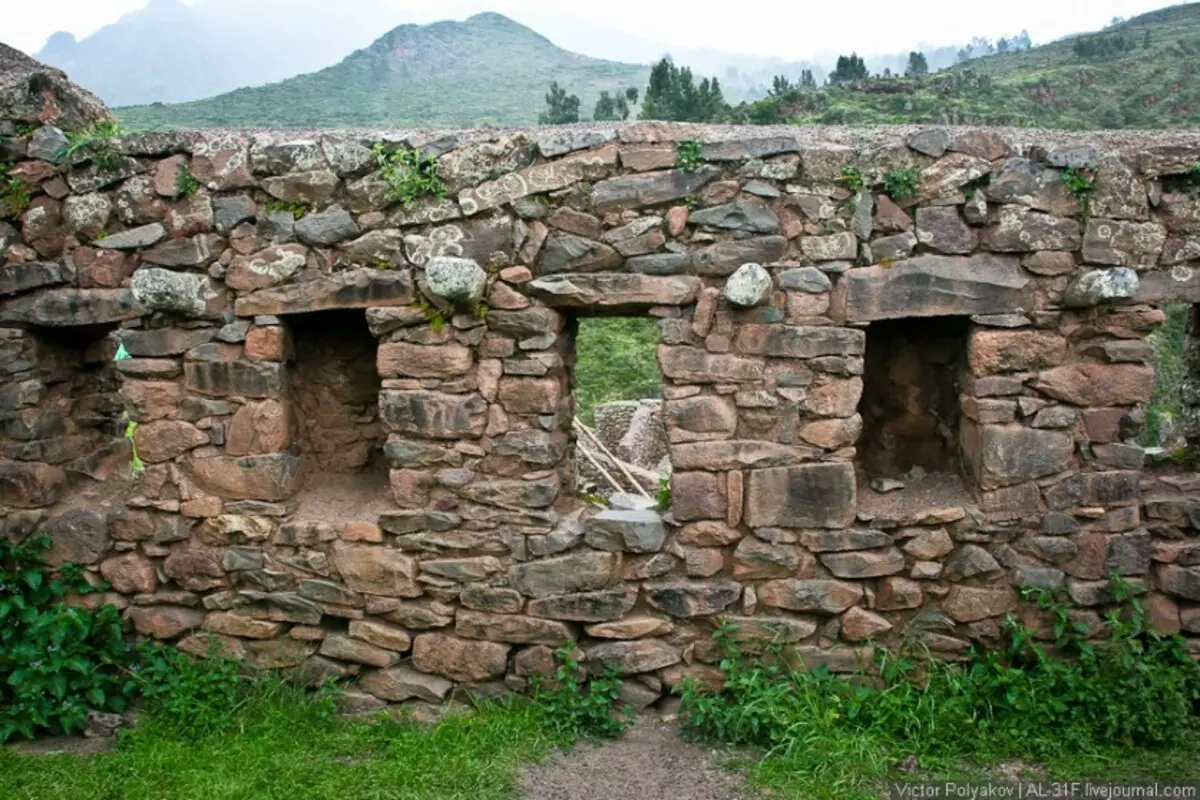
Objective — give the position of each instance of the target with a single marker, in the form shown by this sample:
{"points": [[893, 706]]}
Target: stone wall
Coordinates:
{"points": [[776, 290]]}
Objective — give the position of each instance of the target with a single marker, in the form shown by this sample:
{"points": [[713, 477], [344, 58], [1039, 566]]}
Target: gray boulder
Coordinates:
{"points": [[749, 286], [176, 292], [455, 279], [1101, 286]]}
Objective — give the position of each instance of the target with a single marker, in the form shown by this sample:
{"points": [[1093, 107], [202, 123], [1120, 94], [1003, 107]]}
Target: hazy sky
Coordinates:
{"points": [[788, 28]]}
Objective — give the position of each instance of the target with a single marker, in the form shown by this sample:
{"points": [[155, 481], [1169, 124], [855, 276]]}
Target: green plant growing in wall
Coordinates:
{"points": [[27, 129], [852, 178], [1081, 182], [662, 494], [135, 461], [687, 155], [900, 183], [411, 174], [297, 210], [96, 142], [186, 184], [14, 195]]}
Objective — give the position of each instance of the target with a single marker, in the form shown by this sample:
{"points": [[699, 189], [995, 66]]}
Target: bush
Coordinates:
{"points": [[1134, 688], [190, 696], [573, 707], [57, 661]]}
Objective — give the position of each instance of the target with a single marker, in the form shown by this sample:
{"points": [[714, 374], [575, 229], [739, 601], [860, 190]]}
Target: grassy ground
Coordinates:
{"points": [[281, 749]]}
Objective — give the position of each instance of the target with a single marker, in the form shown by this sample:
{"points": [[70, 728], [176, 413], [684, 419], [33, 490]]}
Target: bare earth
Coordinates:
{"points": [[650, 762]]}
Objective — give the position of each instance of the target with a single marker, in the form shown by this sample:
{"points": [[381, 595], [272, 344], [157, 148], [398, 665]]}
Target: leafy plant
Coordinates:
{"points": [[95, 142], [27, 129], [852, 178], [830, 737], [57, 661], [14, 195], [187, 695], [1081, 182], [662, 494], [411, 174], [186, 184], [574, 707], [687, 155], [297, 210], [900, 183]]}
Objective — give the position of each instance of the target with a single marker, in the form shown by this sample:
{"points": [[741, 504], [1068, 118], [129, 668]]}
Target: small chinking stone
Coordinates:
{"points": [[456, 279], [749, 286]]}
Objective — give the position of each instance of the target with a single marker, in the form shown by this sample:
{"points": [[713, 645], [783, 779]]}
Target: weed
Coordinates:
{"points": [[573, 709], [901, 183], [95, 143], [687, 155], [595, 500], [852, 178], [186, 184], [663, 493], [828, 737], [692, 202], [57, 661], [587, 189], [14, 195], [481, 310], [190, 697], [411, 174], [297, 210], [1081, 182], [27, 129]]}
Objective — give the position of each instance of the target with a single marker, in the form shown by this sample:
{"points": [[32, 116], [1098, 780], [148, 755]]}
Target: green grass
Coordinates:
{"points": [[282, 748], [617, 359], [1167, 406]]}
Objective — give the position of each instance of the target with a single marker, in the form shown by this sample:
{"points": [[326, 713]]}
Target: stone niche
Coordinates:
{"points": [[61, 409], [914, 373], [334, 391]]}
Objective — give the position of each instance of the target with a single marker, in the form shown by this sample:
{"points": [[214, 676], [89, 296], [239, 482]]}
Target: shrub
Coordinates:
{"points": [[574, 707], [411, 174], [901, 184], [1024, 699], [186, 695], [57, 661]]}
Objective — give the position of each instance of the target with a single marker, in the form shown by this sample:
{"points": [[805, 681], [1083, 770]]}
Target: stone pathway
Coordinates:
{"points": [[650, 762]]}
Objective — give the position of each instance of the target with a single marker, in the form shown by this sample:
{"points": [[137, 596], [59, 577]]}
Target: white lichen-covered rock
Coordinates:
{"points": [[1101, 286], [455, 279], [749, 286], [176, 292]]}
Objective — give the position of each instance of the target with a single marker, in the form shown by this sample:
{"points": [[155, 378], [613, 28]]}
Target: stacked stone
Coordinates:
{"points": [[764, 273]]}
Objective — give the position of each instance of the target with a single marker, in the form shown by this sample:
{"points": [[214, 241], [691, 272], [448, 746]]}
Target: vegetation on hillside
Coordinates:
{"points": [[487, 70], [616, 359], [1138, 73]]}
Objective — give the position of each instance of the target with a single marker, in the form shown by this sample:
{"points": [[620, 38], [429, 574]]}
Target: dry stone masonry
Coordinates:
{"points": [[977, 352]]}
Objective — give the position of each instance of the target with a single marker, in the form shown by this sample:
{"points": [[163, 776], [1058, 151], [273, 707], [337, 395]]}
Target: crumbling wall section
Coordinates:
{"points": [[765, 260]]}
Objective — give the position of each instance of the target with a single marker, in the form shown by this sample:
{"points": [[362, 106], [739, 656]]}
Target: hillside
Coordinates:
{"points": [[1139, 74], [486, 70], [171, 52]]}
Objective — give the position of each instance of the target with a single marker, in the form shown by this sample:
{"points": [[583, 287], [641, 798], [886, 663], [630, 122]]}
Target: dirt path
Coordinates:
{"points": [[650, 762]]}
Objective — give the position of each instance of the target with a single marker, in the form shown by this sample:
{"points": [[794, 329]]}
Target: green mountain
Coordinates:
{"points": [[1141, 73], [486, 70]]}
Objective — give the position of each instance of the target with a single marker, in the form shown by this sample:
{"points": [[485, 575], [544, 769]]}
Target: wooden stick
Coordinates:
{"points": [[620, 464], [592, 459]]}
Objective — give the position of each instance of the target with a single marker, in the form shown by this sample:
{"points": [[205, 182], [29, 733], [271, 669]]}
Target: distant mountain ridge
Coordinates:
{"points": [[488, 70], [171, 52]]}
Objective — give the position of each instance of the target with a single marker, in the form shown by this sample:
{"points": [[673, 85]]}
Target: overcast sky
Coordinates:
{"points": [[788, 28]]}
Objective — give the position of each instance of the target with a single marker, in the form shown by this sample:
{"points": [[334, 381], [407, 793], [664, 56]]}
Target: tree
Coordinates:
{"points": [[918, 66], [850, 69], [1002, 45], [560, 107], [781, 85], [609, 108], [674, 95], [807, 81]]}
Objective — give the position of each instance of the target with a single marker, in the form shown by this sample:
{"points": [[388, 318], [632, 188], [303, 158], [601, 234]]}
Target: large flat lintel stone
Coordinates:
{"points": [[359, 288], [934, 286]]}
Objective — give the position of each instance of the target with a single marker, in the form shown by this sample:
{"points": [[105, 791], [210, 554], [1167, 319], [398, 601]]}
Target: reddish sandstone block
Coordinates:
{"points": [[266, 344]]}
